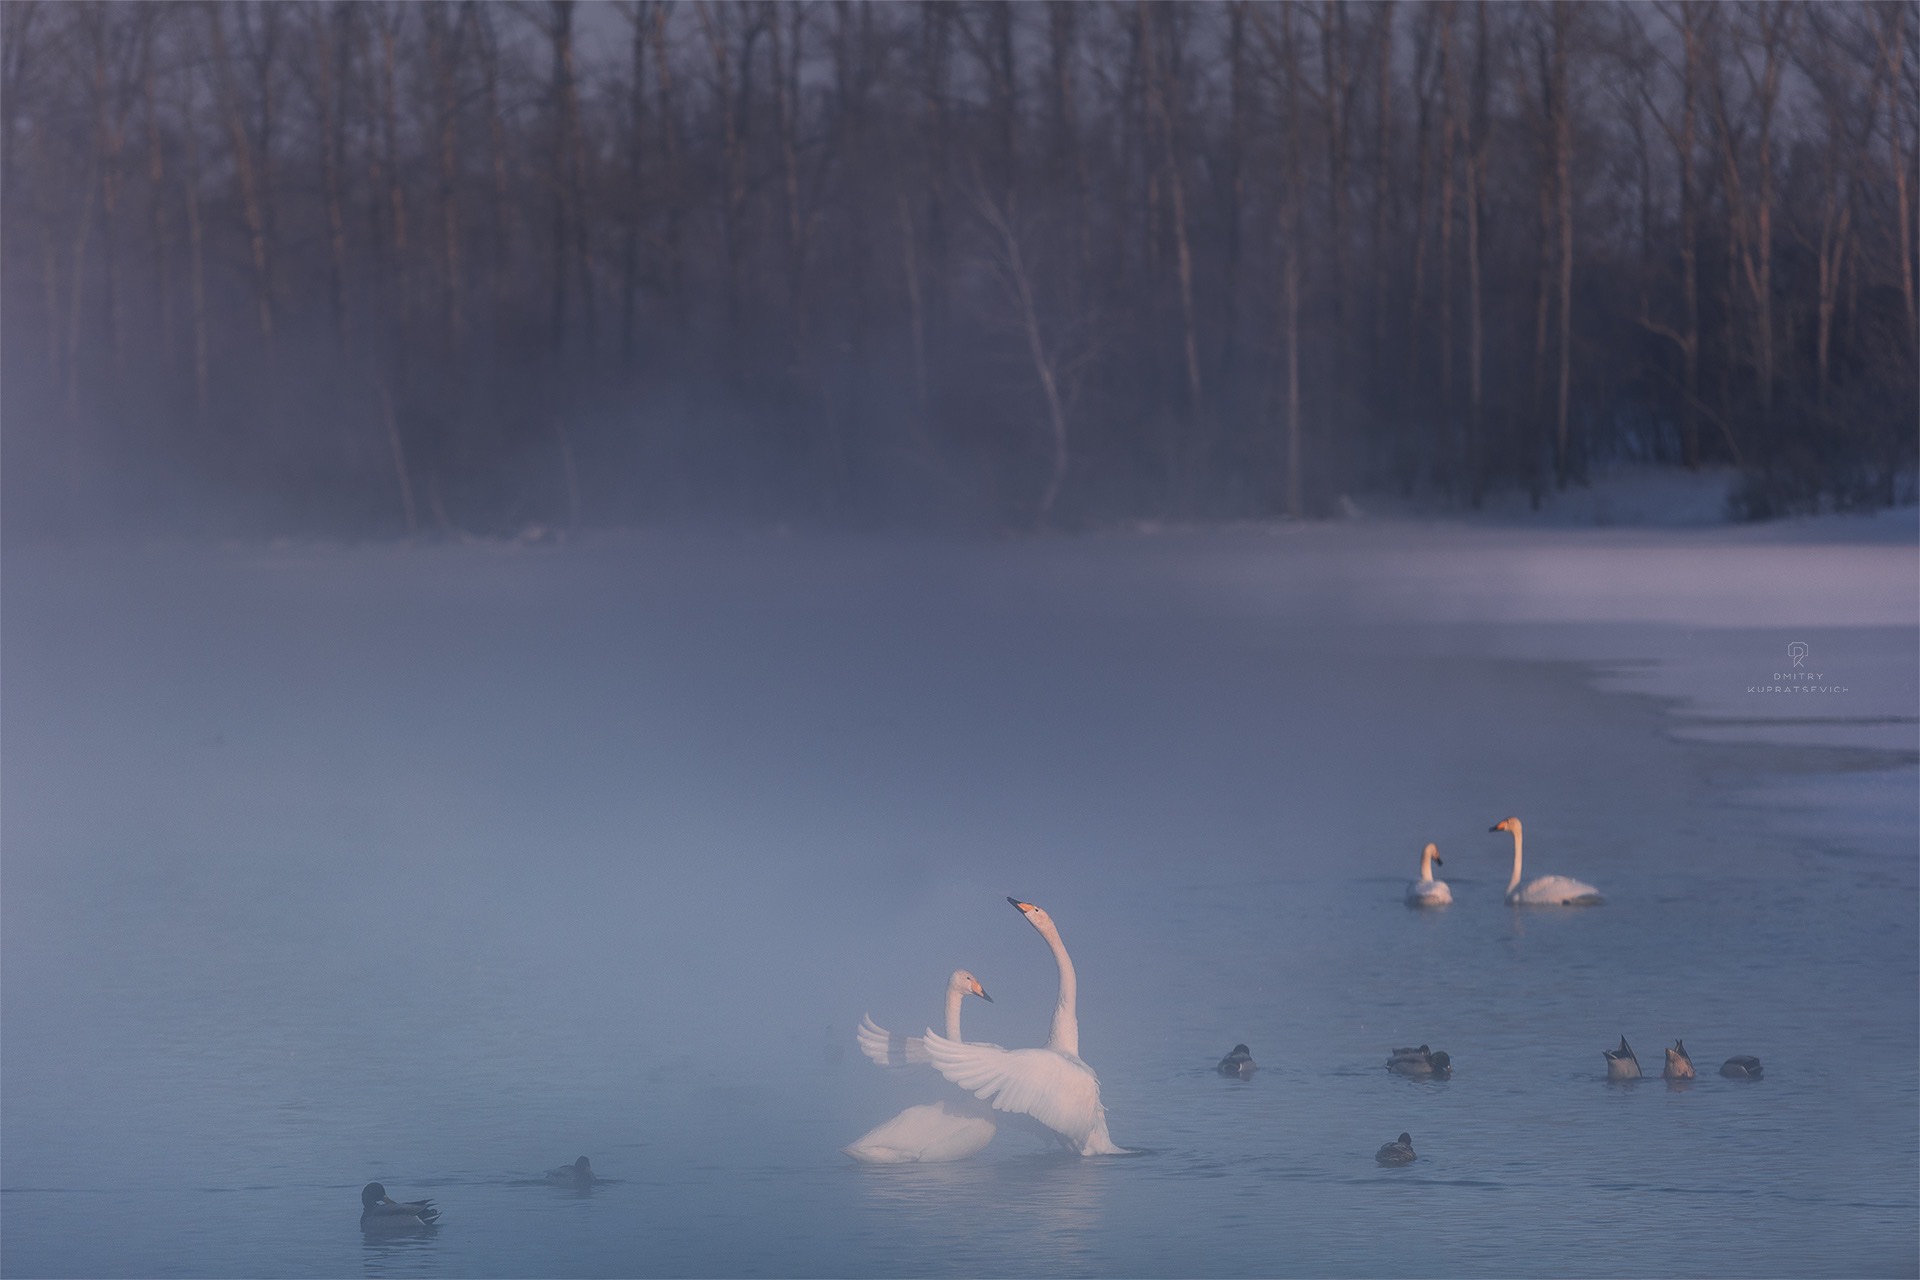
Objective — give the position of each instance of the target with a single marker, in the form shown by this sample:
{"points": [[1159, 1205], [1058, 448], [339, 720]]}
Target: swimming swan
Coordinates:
{"points": [[1399, 1151], [1426, 891], [1546, 891], [933, 1132], [1621, 1064], [1052, 1084], [378, 1213]]}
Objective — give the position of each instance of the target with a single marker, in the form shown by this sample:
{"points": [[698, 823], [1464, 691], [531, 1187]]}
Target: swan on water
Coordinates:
{"points": [[1679, 1065], [1742, 1066], [1052, 1085], [1238, 1063], [1399, 1151], [1546, 891], [1621, 1064], [934, 1132], [1426, 891]]}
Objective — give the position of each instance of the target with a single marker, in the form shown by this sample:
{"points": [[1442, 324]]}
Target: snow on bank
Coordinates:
{"points": [[1798, 633]]}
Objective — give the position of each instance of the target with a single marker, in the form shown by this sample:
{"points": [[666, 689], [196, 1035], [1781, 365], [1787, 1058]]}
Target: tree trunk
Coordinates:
{"points": [[443, 55], [1563, 16], [1478, 127], [251, 206], [158, 232]]}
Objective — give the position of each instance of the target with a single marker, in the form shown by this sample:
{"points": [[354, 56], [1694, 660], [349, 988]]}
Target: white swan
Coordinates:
{"points": [[933, 1132], [888, 1050], [1546, 891], [1426, 891], [1052, 1084]]}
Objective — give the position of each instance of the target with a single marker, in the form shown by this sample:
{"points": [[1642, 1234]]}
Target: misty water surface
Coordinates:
{"points": [[442, 866]]}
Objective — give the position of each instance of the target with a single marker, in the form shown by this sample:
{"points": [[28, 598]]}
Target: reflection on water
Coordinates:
{"points": [[400, 1253]]}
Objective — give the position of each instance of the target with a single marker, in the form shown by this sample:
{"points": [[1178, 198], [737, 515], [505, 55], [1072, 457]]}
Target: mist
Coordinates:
{"points": [[364, 270]]}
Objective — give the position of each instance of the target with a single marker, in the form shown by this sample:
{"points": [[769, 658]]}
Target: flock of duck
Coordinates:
{"points": [[1052, 1089]]}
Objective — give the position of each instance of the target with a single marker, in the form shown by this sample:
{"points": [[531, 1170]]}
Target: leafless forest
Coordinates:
{"points": [[376, 267]]}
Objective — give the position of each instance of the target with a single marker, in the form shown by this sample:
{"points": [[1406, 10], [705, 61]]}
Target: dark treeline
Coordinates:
{"points": [[463, 266]]}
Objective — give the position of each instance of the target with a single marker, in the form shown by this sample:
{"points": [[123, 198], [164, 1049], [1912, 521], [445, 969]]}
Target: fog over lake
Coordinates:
{"points": [[445, 864]]}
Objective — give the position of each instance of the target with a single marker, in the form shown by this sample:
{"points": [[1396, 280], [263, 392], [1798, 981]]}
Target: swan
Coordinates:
{"points": [[378, 1213], [1399, 1151], [1546, 891], [1052, 1085], [577, 1174], [1743, 1066], [1421, 1062], [933, 1132], [1621, 1064], [1238, 1064], [1679, 1065], [1426, 891], [885, 1049]]}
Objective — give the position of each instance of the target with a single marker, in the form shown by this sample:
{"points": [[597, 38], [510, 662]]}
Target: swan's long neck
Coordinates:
{"points": [[1515, 882], [954, 996], [1065, 1035], [1426, 864]]}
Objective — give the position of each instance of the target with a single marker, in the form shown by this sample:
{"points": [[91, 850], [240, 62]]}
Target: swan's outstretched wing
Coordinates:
{"points": [[886, 1049], [1058, 1090]]}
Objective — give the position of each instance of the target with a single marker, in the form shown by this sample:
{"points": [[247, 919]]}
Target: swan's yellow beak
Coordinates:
{"points": [[982, 993], [1022, 907]]}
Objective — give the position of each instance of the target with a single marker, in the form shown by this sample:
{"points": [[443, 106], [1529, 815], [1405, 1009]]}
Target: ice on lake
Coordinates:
{"points": [[443, 865]]}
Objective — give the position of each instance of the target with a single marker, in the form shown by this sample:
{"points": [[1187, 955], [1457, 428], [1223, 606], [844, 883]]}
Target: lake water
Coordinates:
{"points": [[442, 866]]}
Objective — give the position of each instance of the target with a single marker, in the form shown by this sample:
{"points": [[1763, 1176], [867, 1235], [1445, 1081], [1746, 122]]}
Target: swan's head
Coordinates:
{"points": [[1506, 824], [1036, 916], [1432, 851], [967, 985], [1240, 1051], [372, 1194], [1405, 1139], [582, 1168]]}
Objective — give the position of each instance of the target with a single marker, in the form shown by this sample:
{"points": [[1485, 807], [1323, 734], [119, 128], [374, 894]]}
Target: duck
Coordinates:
{"points": [[577, 1174], [1544, 891], [378, 1213], [1679, 1065], [1742, 1066], [1399, 1151], [1238, 1063], [1426, 891], [1621, 1064], [1421, 1062]]}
